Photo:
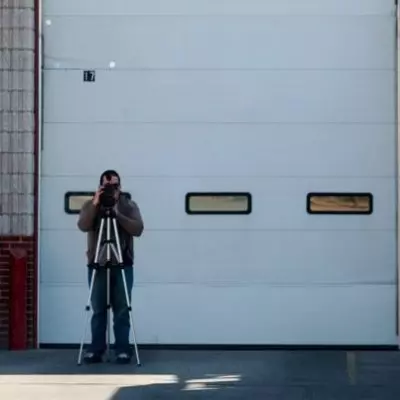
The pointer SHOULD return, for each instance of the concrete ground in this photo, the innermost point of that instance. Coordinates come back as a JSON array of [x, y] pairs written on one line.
[[200, 374]]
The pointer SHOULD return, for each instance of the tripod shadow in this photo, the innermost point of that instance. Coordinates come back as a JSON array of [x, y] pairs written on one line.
[[187, 386]]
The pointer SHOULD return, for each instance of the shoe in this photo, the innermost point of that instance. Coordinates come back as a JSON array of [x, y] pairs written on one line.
[[93, 358], [123, 358]]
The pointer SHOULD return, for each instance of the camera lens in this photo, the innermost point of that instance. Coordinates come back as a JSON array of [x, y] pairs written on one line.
[[107, 199]]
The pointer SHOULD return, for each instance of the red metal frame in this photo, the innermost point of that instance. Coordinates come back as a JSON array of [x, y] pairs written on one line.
[[18, 327]]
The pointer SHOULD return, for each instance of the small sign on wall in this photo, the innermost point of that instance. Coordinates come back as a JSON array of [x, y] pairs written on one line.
[[89, 76]]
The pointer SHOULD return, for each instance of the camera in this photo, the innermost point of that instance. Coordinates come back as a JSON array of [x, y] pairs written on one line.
[[107, 198]]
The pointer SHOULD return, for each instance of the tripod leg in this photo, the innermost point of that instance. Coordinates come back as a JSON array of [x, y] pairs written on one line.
[[120, 260], [108, 266], [87, 308], [108, 315], [130, 315]]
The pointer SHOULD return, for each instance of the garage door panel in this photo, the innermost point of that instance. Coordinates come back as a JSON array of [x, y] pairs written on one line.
[[158, 7], [183, 314], [257, 257], [221, 96], [223, 257], [63, 257], [278, 203], [197, 42], [331, 150]]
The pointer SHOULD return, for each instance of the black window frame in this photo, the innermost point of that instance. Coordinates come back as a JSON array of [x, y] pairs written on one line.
[[247, 211], [70, 194], [312, 195]]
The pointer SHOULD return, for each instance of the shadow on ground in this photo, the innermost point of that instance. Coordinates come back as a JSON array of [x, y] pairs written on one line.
[[171, 374]]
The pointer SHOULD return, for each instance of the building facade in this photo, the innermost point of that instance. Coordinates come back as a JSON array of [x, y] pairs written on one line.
[[259, 140]]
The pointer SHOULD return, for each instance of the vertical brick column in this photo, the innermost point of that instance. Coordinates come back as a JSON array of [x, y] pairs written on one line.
[[17, 155]]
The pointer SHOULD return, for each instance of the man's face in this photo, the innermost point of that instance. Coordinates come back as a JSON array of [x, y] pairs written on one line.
[[115, 182]]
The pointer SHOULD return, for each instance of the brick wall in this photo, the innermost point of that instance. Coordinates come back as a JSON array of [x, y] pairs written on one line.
[[18, 108]]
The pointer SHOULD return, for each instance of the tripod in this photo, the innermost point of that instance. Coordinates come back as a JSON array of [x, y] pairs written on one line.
[[108, 218]]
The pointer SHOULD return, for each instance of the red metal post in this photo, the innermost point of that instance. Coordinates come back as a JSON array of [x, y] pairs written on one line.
[[18, 296]]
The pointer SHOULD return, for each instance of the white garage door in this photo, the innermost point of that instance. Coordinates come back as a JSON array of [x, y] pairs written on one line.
[[277, 99]]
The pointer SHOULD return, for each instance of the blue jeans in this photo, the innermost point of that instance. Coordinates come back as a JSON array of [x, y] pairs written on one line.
[[119, 307]]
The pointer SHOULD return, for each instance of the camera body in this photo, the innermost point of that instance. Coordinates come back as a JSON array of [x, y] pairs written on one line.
[[107, 198]]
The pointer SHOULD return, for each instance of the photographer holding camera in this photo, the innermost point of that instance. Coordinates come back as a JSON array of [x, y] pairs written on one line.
[[130, 224]]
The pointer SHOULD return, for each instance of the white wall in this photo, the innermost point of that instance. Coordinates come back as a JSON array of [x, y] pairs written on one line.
[[278, 98]]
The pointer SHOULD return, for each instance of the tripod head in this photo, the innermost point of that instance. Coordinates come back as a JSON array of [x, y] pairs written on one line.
[[108, 240], [107, 212]]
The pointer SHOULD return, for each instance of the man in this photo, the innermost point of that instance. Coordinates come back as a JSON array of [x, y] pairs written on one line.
[[130, 224]]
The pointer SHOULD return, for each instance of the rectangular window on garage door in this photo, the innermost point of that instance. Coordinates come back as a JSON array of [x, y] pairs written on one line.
[[218, 203], [73, 201], [340, 203]]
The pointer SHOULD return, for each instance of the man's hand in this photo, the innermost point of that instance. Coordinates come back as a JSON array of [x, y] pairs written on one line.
[[116, 208], [128, 215], [96, 197]]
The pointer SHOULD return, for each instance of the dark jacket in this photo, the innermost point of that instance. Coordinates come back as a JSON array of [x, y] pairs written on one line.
[[129, 223]]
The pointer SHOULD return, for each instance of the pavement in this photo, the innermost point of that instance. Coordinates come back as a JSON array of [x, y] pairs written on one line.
[[204, 374]]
